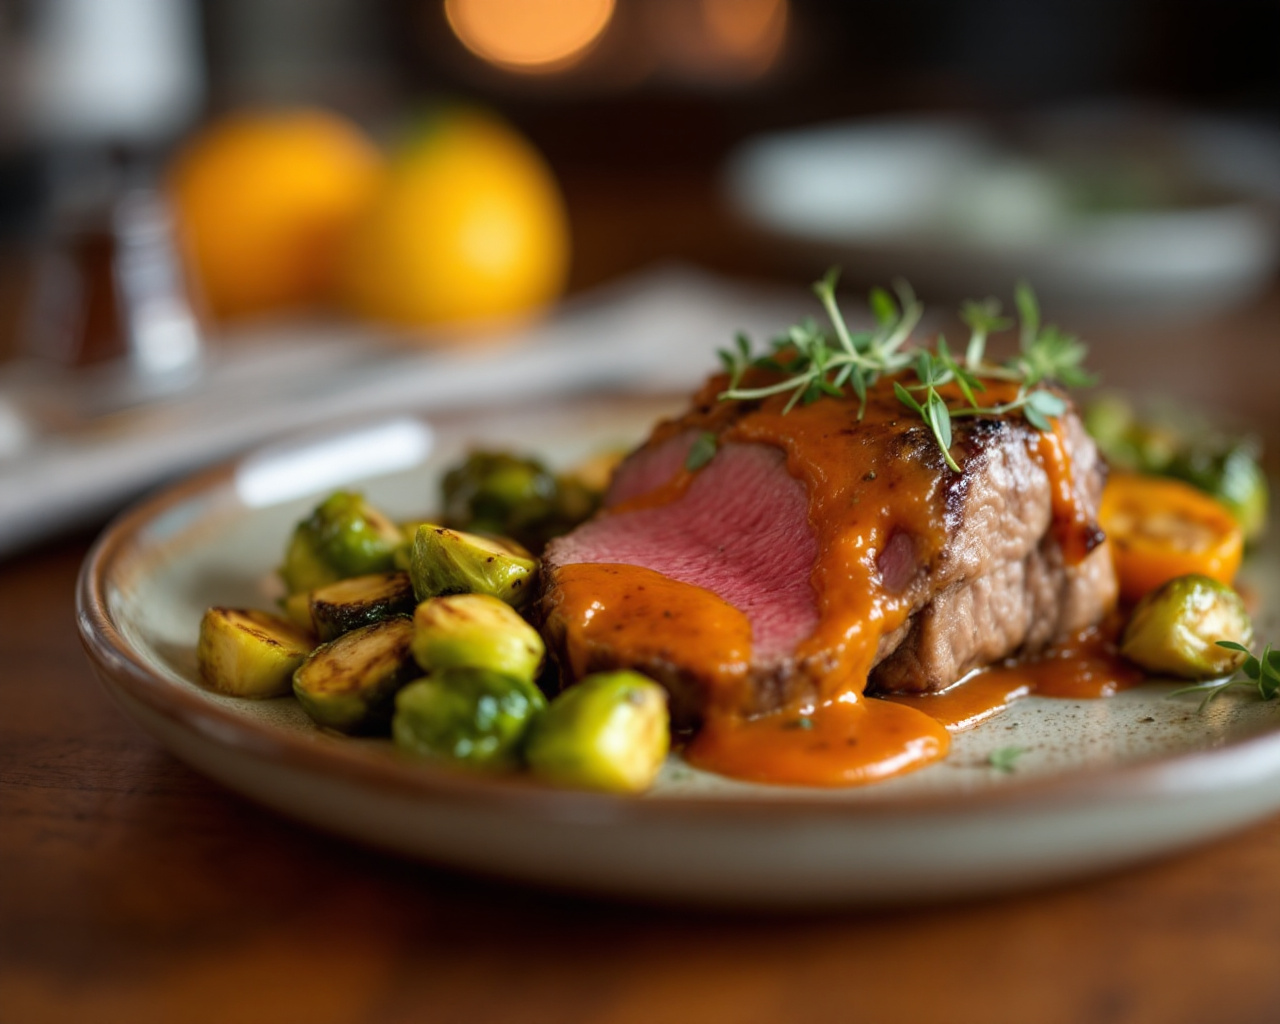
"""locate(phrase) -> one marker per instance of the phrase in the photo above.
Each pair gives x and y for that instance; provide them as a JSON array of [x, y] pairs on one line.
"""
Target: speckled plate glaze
[[1101, 784]]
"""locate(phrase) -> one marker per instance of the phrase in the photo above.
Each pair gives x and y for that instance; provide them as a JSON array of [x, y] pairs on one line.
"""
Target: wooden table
[[133, 890]]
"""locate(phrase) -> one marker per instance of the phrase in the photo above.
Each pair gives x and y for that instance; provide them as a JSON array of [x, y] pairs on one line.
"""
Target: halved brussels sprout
[[249, 653], [448, 561], [350, 683], [467, 714], [1174, 630], [475, 631], [508, 496], [360, 600], [609, 732], [344, 536]]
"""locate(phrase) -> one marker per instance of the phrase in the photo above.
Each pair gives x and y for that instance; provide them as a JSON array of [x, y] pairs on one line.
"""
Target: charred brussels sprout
[[359, 601], [502, 494], [248, 653], [608, 732], [475, 631], [452, 562], [1175, 629], [469, 715], [344, 536], [350, 683], [498, 493]]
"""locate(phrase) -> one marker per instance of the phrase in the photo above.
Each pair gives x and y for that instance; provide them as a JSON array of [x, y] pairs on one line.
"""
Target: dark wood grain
[[133, 890]]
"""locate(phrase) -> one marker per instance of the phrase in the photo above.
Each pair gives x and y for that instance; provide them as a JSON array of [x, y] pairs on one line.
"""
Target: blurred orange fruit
[[468, 225], [264, 201]]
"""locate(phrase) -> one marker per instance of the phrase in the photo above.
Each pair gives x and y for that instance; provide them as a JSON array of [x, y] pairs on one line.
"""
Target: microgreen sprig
[[1262, 673], [815, 362]]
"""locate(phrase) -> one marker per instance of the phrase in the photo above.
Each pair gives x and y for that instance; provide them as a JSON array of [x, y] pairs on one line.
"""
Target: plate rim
[[118, 663]]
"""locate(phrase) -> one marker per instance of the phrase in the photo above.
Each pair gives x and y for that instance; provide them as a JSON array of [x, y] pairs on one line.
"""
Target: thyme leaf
[[701, 451], [815, 362], [1261, 673]]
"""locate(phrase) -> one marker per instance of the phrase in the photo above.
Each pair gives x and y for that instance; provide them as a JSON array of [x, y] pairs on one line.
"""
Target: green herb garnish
[[1261, 674], [1002, 759], [701, 451], [817, 362]]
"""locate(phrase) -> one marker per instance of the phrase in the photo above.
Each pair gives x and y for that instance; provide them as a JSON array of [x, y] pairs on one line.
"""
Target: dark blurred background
[[176, 173], [650, 112]]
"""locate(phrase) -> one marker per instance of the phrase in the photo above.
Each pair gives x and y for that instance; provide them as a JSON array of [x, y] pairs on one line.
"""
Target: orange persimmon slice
[[1161, 529]]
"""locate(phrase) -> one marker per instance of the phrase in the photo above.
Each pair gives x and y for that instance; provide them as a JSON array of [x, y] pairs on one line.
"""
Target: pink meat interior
[[741, 530]]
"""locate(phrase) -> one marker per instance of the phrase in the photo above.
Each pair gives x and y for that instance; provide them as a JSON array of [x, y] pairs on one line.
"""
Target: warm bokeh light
[[750, 31], [529, 35], [718, 42]]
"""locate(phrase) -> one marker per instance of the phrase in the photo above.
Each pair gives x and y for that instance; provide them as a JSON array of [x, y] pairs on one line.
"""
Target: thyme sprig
[[1261, 673], [816, 362]]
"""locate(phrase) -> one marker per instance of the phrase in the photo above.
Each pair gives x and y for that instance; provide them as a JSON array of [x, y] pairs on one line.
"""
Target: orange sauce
[[1084, 666], [647, 617], [849, 741], [1075, 532], [974, 699], [865, 488]]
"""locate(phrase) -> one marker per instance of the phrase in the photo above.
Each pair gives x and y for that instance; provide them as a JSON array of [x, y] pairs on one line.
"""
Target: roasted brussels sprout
[[608, 732], [358, 601], [507, 496], [452, 562], [344, 536], [475, 631], [470, 715], [403, 556], [248, 653], [498, 492], [349, 684], [1174, 630]]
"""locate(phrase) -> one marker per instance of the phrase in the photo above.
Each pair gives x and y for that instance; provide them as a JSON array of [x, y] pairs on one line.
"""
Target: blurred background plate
[[1117, 208]]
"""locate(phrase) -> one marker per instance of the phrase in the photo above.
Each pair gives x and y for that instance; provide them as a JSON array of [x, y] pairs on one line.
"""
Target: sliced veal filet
[[743, 528]]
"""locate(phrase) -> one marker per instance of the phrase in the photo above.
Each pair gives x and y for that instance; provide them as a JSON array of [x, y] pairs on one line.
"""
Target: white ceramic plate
[[1103, 783]]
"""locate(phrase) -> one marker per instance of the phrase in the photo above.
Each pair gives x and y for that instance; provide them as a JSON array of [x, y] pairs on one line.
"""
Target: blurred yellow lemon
[[468, 225], [265, 200]]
